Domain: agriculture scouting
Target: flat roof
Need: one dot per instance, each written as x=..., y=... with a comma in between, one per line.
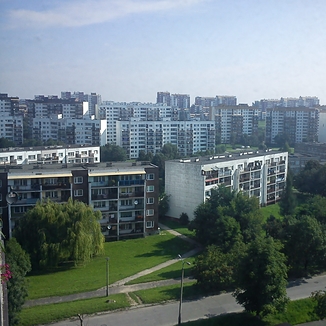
x=225, y=157
x=62, y=169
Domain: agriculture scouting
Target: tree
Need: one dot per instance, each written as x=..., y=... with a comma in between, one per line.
x=5, y=143
x=143, y=156
x=111, y=152
x=320, y=299
x=163, y=205
x=207, y=213
x=184, y=219
x=19, y=265
x=60, y=232
x=288, y=202
x=214, y=269
x=312, y=179
x=170, y=151
x=262, y=278
x=304, y=244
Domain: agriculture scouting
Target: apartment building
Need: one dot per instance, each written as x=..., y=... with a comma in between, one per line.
x=234, y=121
x=188, y=182
x=150, y=136
x=50, y=155
x=11, y=120
x=181, y=101
x=297, y=124
x=215, y=101
x=116, y=111
x=126, y=194
x=71, y=131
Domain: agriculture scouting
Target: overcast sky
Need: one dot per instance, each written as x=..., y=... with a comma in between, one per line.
x=127, y=50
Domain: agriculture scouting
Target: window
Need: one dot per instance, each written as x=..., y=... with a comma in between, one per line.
x=150, y=188
x=78, y=192
x=150, y=212
x=98, y=204
x=150, y=176
x=149, y=224
x=78, y=180
x=150, y=200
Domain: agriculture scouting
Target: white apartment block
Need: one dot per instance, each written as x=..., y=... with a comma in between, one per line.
x=71, y=131
x=298, y=124
x=322, y=125
x=11, y=128
x=116, y=111
x=238, y=120
x=50, y=155
x=150, y=136
x=188, y=182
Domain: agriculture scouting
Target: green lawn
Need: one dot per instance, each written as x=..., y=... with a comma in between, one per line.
x=127, y=258
x=269, y=210
x=172, y=271
x=175, y=225
x=40, y=315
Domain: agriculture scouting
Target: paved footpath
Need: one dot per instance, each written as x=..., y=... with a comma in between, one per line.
x=119, y=286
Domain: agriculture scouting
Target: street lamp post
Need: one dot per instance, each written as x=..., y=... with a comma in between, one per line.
x=181, y=290
x=107, y=276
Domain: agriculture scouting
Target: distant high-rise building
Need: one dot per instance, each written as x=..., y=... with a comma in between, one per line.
x=181, y=101
x=298, y=124
x=231, y=122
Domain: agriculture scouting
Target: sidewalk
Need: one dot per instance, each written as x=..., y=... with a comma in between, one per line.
x=119, y=286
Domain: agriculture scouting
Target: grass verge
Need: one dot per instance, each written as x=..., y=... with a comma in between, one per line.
x=175, y=225
x=127, y=258
x=172, y=271
x=40, y=315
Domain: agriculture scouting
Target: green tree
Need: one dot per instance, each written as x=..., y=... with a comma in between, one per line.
x=304, y=244
x=143, y=156
x=320, y=299
x=288, y=201
x=262, y=278
x=170, y=151
x=111, y=152
x=59, y=233
x=184, y=219
x=207, y=213
x=163, y=205
x=19, y=265
x=312, y=179
x=214, y=269
x=247, y=213
x=5, y=143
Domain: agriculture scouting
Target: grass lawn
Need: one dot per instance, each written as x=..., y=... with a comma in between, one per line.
x=172, y=271
x=40, y=315
x=175, y=225
x=127, y=258
x=269, y=210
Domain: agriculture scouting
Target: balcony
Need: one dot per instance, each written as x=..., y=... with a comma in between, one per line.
x=59, y=185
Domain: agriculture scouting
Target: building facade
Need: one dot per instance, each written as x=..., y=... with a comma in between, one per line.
x=150, y=136
x=50, y=155
x=231, y=122
x=297, y=124
x=126, y=194
x=188, y=182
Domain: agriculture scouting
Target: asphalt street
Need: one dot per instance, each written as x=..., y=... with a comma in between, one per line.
x=167, y=314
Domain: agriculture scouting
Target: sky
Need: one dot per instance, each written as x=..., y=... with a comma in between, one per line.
x=128, y=50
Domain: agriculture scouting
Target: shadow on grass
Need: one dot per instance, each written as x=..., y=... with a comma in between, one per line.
x=170, y=248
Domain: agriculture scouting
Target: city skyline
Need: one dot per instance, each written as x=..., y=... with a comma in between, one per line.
x=129, y=50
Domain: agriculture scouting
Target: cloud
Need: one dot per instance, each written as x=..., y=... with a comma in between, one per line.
x=78, y=13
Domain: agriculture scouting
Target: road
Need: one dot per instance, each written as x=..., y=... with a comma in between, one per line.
x=167, y=314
